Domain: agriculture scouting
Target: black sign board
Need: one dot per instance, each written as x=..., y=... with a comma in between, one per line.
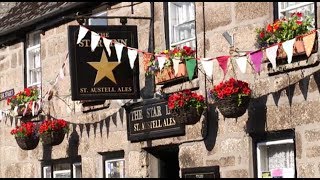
x=151, y=119
x=6, y=94
x=201, y=172
x=97, y=75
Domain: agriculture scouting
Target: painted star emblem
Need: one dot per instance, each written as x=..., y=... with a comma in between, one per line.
x=104, y=68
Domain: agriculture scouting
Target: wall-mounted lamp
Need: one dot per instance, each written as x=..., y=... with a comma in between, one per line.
x=229, y=38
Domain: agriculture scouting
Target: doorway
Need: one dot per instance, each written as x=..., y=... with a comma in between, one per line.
x=164, y=161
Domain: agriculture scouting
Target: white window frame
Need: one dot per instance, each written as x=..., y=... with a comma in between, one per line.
x=267, y=143
x=44, y=169
x=173, y=44
x=61, y=171
x=300, y=5
x=30, y=50
x=74, y=169
x=122, y=175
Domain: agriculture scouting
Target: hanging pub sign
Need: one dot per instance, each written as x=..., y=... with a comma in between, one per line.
x=98, y=75
x=151, y=119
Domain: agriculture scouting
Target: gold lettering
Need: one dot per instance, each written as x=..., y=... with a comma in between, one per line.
x=83, y=90
x=136, y=115
x=136, y=127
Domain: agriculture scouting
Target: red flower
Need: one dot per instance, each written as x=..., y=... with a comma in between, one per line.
x=48, y=126
x=269, y=28
x=262, y=35
x=24, y=130
x=230, y=88
x=185, y=99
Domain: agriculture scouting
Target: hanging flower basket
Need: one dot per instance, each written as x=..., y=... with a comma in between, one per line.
x=52, y=138
x=187, y=116
x=186, y=106
x=230, y=108
x=26, y=136
x=28, y=142
x=52, y=132
x=232, y=97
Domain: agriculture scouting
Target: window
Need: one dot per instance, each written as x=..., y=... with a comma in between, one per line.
x=286, y=8
x=97, y=21
x=274, y=153
x=62, y=168
x=33, y=64
x=114, y=164
x=181, y=17
x=276, y=159
x=114, y=168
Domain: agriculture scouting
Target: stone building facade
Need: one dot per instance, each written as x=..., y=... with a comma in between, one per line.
x=282, y=102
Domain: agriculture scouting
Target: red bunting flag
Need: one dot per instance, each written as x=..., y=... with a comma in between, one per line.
x=223, y=62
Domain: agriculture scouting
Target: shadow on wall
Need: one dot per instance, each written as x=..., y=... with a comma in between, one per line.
x=73, y=147
x=211, y=118
x=258, y=109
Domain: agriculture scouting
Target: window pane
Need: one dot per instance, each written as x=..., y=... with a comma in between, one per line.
x=181, y=23
x=277, y=159
x=47, y=172
x=287, y=8
x=77, y=170
x=100, y=22
x=114, y=168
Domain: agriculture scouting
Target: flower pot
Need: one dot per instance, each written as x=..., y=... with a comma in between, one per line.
x=164, y=75
x=229, y=108
x=27, y=143
x=187, y=116
x=53, y=138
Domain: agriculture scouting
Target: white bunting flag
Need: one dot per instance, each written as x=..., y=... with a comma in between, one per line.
x=107, y=43
x=119, y=48
x=61, y=73
x=161, y=60
x=288, y=48
x=271, y=53
x=175, y=65
x=242, y=63
x=82, y=33
x=132, y=54
x=95, y=37
x=207, y=64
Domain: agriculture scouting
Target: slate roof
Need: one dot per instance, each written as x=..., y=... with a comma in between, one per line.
x=25, y=12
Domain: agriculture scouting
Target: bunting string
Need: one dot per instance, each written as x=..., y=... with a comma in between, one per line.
x=255, y=56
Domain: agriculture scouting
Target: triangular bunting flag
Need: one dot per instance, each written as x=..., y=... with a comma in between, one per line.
x=223, y=62
x=271, y=53
x=191, y=64
x=146, y=59
x=94, y=40
x=82, y=33
x=132, y=54
x=107, y=43
x=161, y=61
x=207, y=65
x=288, y=48
x=309, y=42
x=119, y=48
x=175, y=65
x=242, y=63
x=61, y=73
x=256, y=58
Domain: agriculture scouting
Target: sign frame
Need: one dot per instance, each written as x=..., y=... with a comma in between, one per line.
x=150, y=134
x=200, y=172
x=129, y=80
